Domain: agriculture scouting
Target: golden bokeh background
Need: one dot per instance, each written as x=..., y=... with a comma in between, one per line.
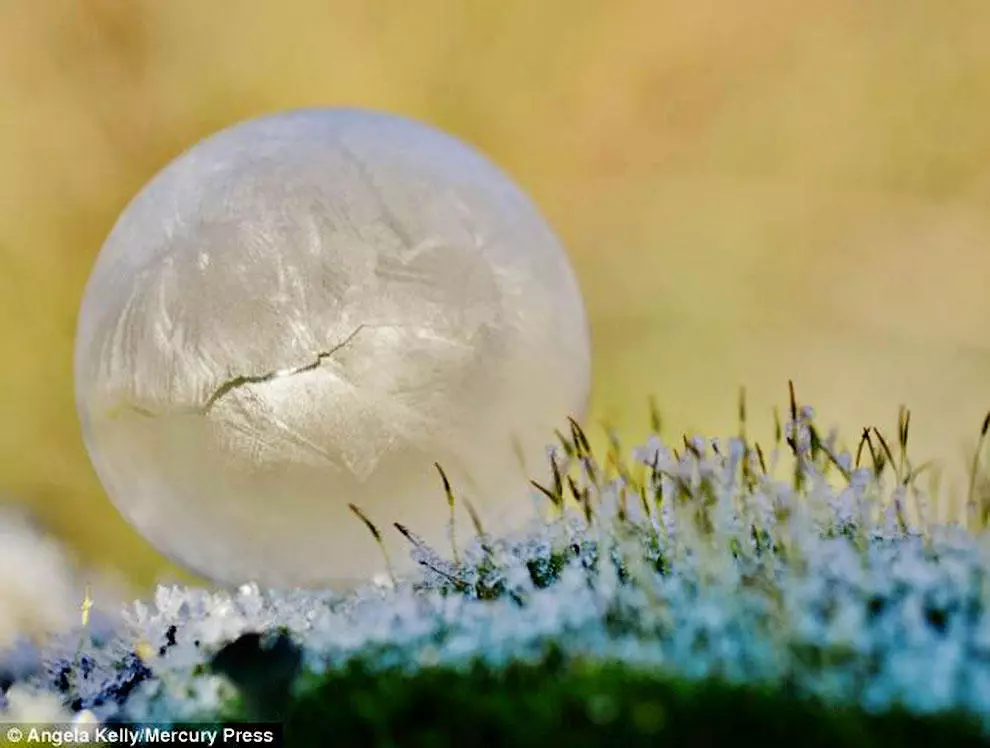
x=751, y=192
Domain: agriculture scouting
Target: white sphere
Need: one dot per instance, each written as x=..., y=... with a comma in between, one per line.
x=309, y=310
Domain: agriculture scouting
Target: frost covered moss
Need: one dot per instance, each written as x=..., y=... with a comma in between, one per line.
x=692, y=593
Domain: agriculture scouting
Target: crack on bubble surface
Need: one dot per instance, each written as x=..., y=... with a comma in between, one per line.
x=244, y=380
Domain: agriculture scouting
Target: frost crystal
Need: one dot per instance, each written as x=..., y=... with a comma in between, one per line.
x=811, y=590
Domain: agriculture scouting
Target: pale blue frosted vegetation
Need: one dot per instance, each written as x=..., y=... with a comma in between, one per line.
x=826, y=579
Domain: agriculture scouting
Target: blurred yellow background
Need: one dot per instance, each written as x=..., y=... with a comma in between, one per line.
x=751, y=192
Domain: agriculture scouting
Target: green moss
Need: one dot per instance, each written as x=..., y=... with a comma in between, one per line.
x=577, y=703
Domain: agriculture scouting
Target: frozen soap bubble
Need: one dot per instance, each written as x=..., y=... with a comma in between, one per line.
x=308, y=310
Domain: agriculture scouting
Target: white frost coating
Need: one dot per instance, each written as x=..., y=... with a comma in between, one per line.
x=310, y=309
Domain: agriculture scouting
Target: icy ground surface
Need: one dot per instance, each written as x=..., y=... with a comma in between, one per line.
x=828, y=580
